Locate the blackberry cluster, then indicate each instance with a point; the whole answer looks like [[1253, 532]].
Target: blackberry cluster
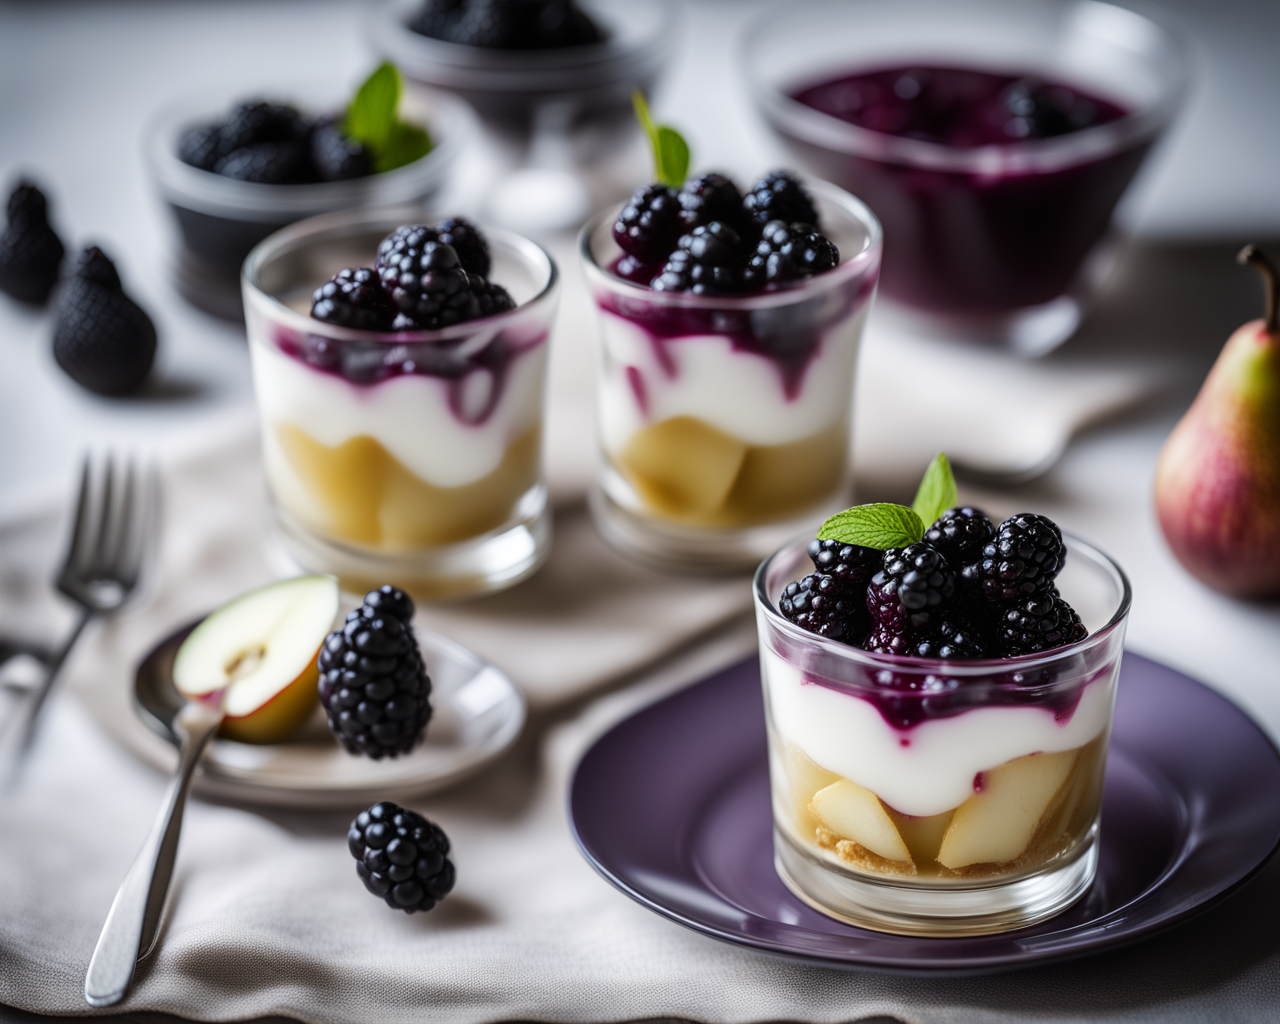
[[708, 239], [1038, 111], [102, 338], [373, 683], [507, 24], [401, 857], [274, 144], [424, 278], [967, 590], [30, 250]]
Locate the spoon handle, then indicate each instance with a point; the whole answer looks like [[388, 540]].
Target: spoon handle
[[133, 922]]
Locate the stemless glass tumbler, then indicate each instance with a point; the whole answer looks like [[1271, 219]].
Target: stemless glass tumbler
[[941, 798], [724, 420], [410, 457]]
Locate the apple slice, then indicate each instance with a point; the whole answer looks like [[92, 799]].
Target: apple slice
[[856, 813], [923, 836], [996, 825], [261, 648], [683, 466]]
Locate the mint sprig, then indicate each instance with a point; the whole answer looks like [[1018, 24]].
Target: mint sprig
[[670, 151], [373, 120], [883, 525]]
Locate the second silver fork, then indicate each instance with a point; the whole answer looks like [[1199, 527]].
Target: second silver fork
[[116, 512]]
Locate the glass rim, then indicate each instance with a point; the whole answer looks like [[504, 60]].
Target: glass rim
[[864, 262], [294, 235], [830, 132], [957, 668]]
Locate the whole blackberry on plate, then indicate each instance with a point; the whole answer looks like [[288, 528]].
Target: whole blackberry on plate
[[354, 298], [373, 683], [789, 252], [710, 197], [493, 298], [268, 163], [30, 250], [960, 534], [468, 243], [336, 156], [1022, 560], [401, 857], [1039, 623], [101, 337], [648, 227], [778, 196], [707, 261], [827, 606], [425, 278]]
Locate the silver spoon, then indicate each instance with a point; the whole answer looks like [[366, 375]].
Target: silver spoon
[[133, 923]]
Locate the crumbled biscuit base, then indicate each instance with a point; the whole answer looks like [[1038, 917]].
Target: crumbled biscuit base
[[858, 856]]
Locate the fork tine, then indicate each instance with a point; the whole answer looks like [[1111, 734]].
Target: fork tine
[[138, 516], [81, 528], [122, 523], [107, 517]]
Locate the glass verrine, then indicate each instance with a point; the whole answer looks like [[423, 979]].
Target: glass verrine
[[929, 797], [407, 457], [724, 421], [996, 242]]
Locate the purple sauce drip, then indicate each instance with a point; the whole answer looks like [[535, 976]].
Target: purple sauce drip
[[367, 364], [964, 242], [904, 699], [789, 336]]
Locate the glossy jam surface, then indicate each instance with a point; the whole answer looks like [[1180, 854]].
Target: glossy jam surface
[[974, 242]]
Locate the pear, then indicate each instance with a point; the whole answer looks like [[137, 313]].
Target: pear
[[1217, 489]]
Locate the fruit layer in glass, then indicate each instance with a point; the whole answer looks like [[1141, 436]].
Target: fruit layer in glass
[[931, 797], [993, 138], [409, 457], [724, 420]]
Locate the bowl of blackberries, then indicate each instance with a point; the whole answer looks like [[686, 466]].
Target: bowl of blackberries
[[234, 169], [508, 58]]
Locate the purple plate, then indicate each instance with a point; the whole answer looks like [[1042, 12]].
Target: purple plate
[[672, 807]]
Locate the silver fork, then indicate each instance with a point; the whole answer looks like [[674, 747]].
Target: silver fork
[[115, 515]]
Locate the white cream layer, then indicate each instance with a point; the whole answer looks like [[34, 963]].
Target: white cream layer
[[934, 773], [409, 415], [739, 393]]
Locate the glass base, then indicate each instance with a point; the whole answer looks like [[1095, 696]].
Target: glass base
[[493, 561], [954, 911], [674, 547]]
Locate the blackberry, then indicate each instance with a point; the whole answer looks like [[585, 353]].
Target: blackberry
[[373, 684], [648, 227], [788, 252], [960, 534], [1039, 623], [906, 596], [706, 262], [101, 337], [425, 279], [563, 23], [354, 298], [507, 24], [492, 298], [202, 146], [268, 163], [401, 857], [778, 196], [256, 122], [336, 156], [957, 635], [849, 563], [822, 604], [30, 250], [1037, 111], [711, 197], [468, 243], [435, 18], [1023, 559]]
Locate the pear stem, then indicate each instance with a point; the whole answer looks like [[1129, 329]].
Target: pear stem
[[1259, 259]]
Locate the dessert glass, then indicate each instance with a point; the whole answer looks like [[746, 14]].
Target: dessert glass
[[998, 243], [724, 421], [408, 457], [221, 219], [942, 798]]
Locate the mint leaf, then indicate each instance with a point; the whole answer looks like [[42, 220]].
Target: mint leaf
[[881, 526], [670, 151], [405, 144], [371, 116], [937, 491]]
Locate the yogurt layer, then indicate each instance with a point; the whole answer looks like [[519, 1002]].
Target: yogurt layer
[[409, 415], [930, 768], [738, 392]]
